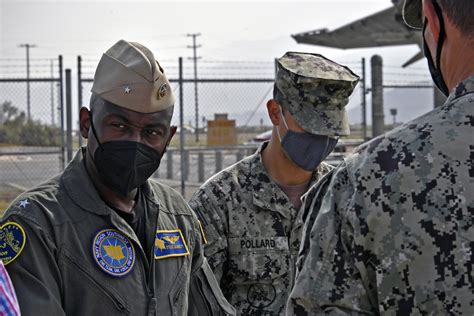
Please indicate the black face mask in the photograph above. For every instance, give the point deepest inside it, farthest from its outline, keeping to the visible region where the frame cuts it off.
(124, 165)
(436, 70)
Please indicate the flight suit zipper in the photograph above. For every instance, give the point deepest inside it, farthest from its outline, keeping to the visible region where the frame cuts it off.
(151, 267)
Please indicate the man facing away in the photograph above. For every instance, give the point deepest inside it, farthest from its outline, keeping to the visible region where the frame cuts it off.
(101, 238)
(391, 232)
(249, 211)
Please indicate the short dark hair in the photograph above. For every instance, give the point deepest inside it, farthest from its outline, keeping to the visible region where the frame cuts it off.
(460, 13)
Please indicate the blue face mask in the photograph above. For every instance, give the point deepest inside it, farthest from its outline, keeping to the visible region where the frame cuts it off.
(306, 150)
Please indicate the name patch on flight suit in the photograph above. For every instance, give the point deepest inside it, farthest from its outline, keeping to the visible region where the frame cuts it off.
(113, 252)
(12, 241)
(170, 243)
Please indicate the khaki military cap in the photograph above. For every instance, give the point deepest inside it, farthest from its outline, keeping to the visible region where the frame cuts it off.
(412, 13)
(315, 90)
(129, 76)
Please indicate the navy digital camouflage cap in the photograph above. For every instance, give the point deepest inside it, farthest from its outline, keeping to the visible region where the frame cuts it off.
(315, 90)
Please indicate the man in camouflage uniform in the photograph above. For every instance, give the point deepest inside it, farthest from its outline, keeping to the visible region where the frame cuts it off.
(249, 211)
(101, 238)
(391, 231)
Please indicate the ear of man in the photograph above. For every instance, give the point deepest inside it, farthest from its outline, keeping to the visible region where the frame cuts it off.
(429, 13)
(85, 122)
(273, 108)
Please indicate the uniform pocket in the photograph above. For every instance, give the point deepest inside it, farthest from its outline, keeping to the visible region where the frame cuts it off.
(206, 298)
(259, 274)
(79, 282)
(254, 259)
(178, 291)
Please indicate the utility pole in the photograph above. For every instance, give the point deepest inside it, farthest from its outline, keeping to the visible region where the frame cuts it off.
(195, 58)
(28, 108)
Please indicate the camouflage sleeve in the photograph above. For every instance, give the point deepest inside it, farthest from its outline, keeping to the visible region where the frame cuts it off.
(205, 295)
(309, 209)
(214, 224)
(328, 281)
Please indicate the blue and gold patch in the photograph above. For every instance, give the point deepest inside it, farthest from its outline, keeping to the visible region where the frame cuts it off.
(12, 241)
(170, 243)
(113, 252)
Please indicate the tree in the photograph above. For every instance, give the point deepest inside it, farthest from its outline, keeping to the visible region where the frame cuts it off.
(16, 129)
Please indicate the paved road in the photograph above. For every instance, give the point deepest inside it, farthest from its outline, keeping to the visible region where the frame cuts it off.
(22, 170)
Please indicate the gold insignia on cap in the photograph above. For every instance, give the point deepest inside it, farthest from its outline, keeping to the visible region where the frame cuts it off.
(127, 90)
(162, 91)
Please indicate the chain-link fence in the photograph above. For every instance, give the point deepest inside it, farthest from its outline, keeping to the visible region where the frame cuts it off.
(223, 112)
(221, 119)
(30, 123)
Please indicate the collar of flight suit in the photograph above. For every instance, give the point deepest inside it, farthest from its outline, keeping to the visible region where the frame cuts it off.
(271, 196)
(82, 191)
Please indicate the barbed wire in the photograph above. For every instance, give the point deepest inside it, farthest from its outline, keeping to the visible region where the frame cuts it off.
(407, 68)
(235, 61)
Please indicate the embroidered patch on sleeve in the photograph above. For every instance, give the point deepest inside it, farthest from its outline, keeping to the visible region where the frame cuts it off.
(12, 241)
(170, 243)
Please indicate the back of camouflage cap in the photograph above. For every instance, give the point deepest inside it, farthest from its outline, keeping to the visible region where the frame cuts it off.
(315, 90)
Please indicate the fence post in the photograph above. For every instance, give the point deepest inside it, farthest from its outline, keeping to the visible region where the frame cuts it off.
(378, 125)
(181, 123)
(438, 97)
(169, 164)
(79, 96)
(218, 161)
(185, 170)
(201, 167)
(61, 111)
(239, 155)
(68, 115)
(364, 102)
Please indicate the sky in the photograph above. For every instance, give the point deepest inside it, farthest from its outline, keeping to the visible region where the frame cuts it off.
(243, 30)
(247, 31)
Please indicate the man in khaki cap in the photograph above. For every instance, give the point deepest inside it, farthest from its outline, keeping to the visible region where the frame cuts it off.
(102, 238)
(391, 232)
(250, 211)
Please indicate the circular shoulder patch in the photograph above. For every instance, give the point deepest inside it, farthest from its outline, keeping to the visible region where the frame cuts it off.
(12, 241)
(113, 252)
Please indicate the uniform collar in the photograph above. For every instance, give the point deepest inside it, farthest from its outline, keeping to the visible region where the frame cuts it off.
(82, 191)
(266, 193)
(463, 88)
